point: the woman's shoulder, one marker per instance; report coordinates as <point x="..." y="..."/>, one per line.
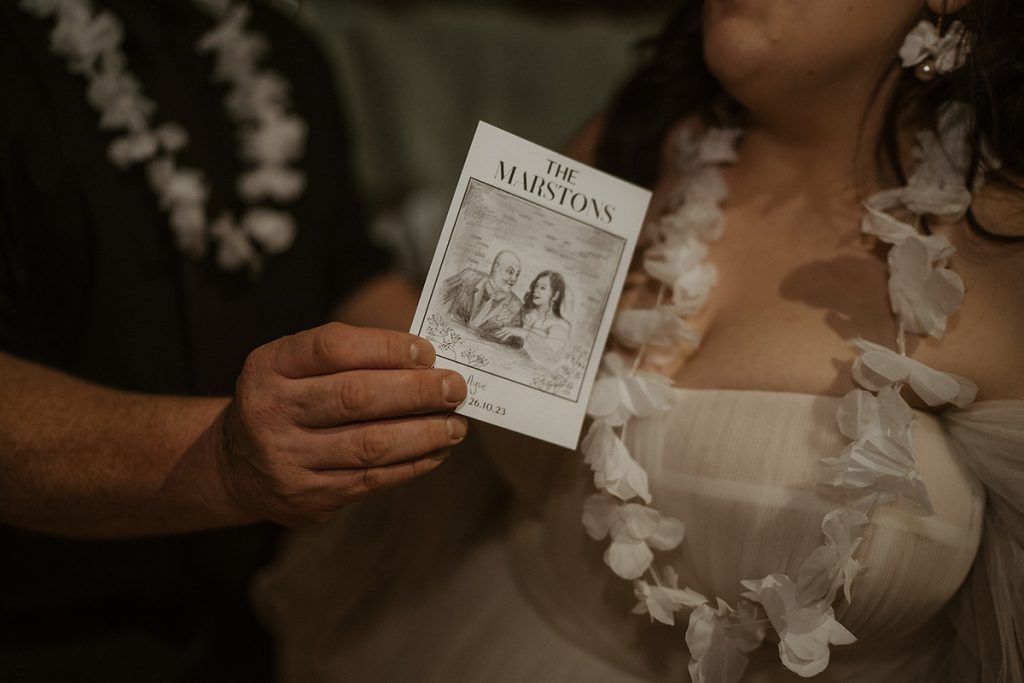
<point x="999" y="207"/>
<point x="559" y="322"/>
<point x="986" y="333"/>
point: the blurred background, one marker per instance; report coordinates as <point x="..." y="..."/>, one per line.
<point x="416" y="76"/>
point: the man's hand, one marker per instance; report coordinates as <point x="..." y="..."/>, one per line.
<point x="327" y="415"/>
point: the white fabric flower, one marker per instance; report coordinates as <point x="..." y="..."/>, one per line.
<point x="718" y="145"/>
<point x="615" y="470"/>
<point x="277" y="140"/>
<point x="893" y="231"/>
<point x="684" y="150"/>
<point x="272" y="230"/>
<point x="937" y="184"/>
<point x="172" y="137"/>
<point x="952" y="49"/>
<point x="922" y="291"/>
<point x="947" y="201"/>
<point x="175" y="186"/>
<point x="263" y="92"/>
<point x="703" y="220"/>
<point x="84" y="37"/>
<point x="667" y="261"/>
<point x="234" y="249"/>
<point x="279" y="183"/>
<point x="236" y="60"/>
<point x="690" y="291"/>
<point x="878" y="367"/>
<point x="703" y="186"/>
<point x="881" y="459"/>
<point x="659" y="327"/>
<point x="662" y="599"/>
<point x="719" y="638"/>
<point x="634" y="530"/>
<point x="919" y="44"/>
<point x="877" y="464"/>
<point x="805" y="630"/>
<point x="922" y="295"/>
<point x="832" y="565"/>
<point x="132" y="148"/>
<point x="188" y="221"/>
<point x="861" y="414"/>
<point x="230" y="29"/>
<point x="936" y="187"/>
<point x="619" y="394"/>
<point x="118" y="97"/>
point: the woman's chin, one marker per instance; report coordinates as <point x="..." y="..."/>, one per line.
<point x="739" y="53"/>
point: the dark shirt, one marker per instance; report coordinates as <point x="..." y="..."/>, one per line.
<point x="91" y="283"/>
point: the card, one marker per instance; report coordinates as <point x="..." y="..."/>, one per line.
<point x="524" y="283"/>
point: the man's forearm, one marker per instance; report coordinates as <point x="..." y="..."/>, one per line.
<point x="77" y="459"/>
<point x="319" y="418"/>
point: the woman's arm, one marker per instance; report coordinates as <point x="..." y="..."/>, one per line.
<point x="547" y="344"/>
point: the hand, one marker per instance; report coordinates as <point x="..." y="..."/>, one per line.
<point x="507" y="334"/>
<point x="325" y="416"/>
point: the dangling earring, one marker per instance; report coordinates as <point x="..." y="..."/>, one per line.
<point x="931" y="53"/>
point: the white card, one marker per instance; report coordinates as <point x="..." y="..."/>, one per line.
<point x="525" y="280"/>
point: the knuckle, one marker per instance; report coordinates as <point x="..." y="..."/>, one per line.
<point x="322" y="343"/>
<point x="353" y="398"/>
<point x="371" y="480"/>
<point x="376" y="443"/>
<point x="255" y="365"/>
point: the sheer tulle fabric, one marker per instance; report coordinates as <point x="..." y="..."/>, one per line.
<point x="989" y="611"/>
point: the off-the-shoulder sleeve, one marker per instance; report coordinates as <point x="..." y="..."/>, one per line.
<point x="988" y="612"/>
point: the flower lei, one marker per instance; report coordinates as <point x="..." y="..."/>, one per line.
<point x="270" y="137"/>
<point x="877" y="467"/>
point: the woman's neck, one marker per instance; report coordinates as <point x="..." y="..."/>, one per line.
<point x="821" y="146"/>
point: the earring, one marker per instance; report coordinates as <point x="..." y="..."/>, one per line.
<point x="931" y="53"/>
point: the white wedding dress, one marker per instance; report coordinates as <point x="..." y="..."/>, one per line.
<point x="531" y="600"/>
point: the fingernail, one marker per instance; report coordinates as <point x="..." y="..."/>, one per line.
<point x="452" y="390"/>
<point x="456" y="428"/>
<point x="422" y="354"/>
<point x="441" y="454"/>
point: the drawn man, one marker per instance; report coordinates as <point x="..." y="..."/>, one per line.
<point x="485" y="302"/>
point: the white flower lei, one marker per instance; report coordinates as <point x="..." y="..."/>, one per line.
<point x="271" y="138"/>
<point x="877" y="467"/>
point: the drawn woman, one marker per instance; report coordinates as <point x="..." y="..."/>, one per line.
<point x="544" y="334"/>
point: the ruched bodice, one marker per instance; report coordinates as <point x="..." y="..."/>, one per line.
<point x="738" y="468"/>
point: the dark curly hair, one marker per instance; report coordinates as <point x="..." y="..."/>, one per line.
<point x="673" y="82"/>
<point x="557" y="291"/>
